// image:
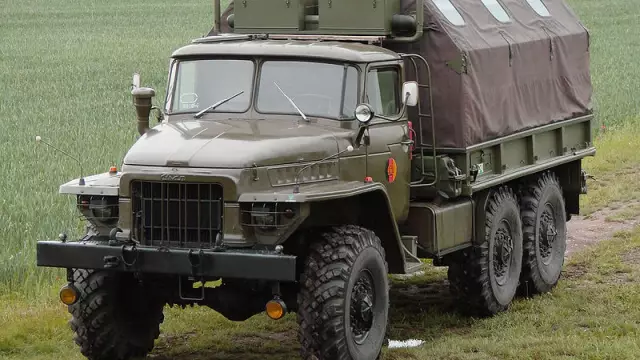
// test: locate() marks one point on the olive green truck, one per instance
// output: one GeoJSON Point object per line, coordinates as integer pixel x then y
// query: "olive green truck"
{"type": "Point", "coordinates": [308, 148]}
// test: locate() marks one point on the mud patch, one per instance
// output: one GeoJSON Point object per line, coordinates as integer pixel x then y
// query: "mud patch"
{"type": "Point", "coordinates": [258, 339]}
{"type": "Point", "coordinates": [167, 341]}
{"type": "Point", "coordinates": [253, 346]}
{"type": "Point", "coordinates": [632, 258]}
{"type": "Point", "coordinates": [574, 271]}
{"type": "Point", "coordinates": [422, 297]}
{"type": "Point", "coordinates": [584, 231]}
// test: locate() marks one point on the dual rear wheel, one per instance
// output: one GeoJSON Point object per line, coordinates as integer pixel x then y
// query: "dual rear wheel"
{"type": "Point", "coordinates": [519, 248]}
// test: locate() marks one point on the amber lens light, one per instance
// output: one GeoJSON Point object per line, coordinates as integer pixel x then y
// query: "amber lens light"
{"type": "Point", "coordinates": [275, 309]}
{"type": "Point", "coordinates": [68, 295]}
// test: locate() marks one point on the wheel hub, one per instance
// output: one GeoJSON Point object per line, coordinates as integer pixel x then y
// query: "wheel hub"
{"type": "Point", "coordinates": [502, 249]}
{"type": "Point", "coordinates": [362, 307]}
{"type": "Point", "coordinates": [547, 235]}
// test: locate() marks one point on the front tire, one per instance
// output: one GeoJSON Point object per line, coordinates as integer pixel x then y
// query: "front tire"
{"type": "Point", "coordinates": [545, 235]}
{"type": "Point", "coordinates": [343, 303]}
{"type": "Point", "coordinates": [485, 278]}
{"type": "Point", "coordinates": [115, 317]}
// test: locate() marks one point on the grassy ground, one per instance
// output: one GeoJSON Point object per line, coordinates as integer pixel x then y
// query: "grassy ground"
{"type": "Point", "coordinates": [593, 314]}
{"type": "Point", "coordinates": [65, 70]}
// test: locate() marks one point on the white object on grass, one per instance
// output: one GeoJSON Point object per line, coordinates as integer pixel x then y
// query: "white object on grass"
{"type": "Point", "coordinates": [394, 344]}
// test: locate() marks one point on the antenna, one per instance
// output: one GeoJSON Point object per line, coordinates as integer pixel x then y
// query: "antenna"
{"type": "Point", "coordinates": [39, 140]}
{"type": "Point", "coordinates": [296, 188]}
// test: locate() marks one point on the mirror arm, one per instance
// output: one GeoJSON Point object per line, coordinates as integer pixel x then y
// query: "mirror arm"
{"type": "Point", "coordinates": [160, 113]}
{"type": "Point", "coordinates": [357, 141]}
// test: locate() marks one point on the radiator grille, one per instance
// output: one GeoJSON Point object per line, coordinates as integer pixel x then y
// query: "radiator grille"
{"type": "Point", "coordinates": [185, 215]}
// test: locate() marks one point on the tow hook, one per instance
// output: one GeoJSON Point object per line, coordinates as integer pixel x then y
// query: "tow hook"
{"type": "Point", "coordinates": [196, 260]}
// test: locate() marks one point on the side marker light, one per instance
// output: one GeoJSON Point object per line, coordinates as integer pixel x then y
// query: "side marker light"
{"type": "Point", "coordinates": [276, 309]}
{"type": "Point", "coordinates": [68, 295]}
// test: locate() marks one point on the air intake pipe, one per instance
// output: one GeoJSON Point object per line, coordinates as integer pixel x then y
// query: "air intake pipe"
{"type": "Point", "coordinates": [142, 101]}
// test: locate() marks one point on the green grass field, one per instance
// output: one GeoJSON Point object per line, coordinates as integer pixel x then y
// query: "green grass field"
{"type": "Point", "coordinates": [65, 72]}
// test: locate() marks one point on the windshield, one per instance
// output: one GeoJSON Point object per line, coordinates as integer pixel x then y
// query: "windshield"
{"type": "Point", "coordinates": [202, 83]}
{"type": "Point", "coordinates": [224, 85]}
{"type": "Point", "coordinates": [317, 89]}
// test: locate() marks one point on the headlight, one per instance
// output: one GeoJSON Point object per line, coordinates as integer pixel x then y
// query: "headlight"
{"type": "Point", "coordinates": [264, 216]}
{"type": "Point", "coordinates": [364, 113]}
{"type": "Point", "coordinates": [101, 209]}
{"type": "Point", "coordinates": [267, 217]}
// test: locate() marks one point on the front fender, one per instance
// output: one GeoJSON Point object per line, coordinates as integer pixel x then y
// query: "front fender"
{"type": "Point", "coordinates": [105, 184]}
{"type": "Point", "coordinates": [369, 201]}
{"type": "Point", "coordinates": [315, 192]}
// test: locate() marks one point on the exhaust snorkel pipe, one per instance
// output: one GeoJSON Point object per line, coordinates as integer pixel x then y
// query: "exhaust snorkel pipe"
{"type": "Point", "coordinates": [142, 101]}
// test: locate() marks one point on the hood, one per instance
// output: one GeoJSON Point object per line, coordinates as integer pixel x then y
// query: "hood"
{"type": "Point", "coordinates": [231, 144]}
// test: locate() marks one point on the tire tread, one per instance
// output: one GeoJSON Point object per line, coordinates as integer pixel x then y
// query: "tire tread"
{"type": "Point", "coordinates": [530, 281]}
{"type": "Point", "coordinates": [469, 278]}
{"type": "Point", "coordinates": [96, 332]}
{"type": "Point", "coordinates": [323, 288]}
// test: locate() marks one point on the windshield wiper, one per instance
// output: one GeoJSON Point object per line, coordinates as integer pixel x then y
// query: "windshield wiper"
{"type": "Point", "coordinates": [199, 114]}
{"type": "Point", "coordinates": [291, 101]}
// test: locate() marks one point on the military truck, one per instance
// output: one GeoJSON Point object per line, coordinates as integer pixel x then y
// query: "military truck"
{"type": "Point", "coordinates": [306, 150]}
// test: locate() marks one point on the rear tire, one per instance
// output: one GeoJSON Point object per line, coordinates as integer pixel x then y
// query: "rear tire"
{"type": "Point", "coordinates": [485, 279]}
{"type": "Point", "coordinates": [544, 223]}
{"type": "Point", "coordinates": [115, 317]}
{"type": "Point", "coordinates": [343, 303]}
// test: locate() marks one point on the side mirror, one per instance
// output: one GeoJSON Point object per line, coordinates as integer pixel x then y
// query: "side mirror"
{"type": "Point", "coordinates": [410, 93]}
{"type": "Point", "coordinates": [142, 101]}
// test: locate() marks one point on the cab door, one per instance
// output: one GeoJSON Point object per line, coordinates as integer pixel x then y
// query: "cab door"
{"type": "Point", "coordinates": [389, 158]}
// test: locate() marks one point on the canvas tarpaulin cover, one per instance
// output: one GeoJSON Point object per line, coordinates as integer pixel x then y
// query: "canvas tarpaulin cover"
{"type": "Point", "coordinates": [503, 77]}
{"type": "Point", "coordinates": [495, 76]}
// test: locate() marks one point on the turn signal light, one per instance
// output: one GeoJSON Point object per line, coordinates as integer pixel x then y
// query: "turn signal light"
{"type": "Point", "coordinates": [68, 295]}
{"type": "Point", "coordinates": [276, 309]}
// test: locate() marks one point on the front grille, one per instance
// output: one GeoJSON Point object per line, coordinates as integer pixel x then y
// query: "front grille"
{"type": "Point", "coordinates": [185, 215]}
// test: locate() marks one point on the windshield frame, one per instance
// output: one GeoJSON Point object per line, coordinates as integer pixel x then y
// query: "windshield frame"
{"type": "Point", "coordinates": [345, 64]}
{"type": "Point", "coordinates": [172, 86]}
{"type": "Point", "coordinates": [258, 61]}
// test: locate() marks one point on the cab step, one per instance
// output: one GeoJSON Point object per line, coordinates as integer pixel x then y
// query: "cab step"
{"type": "Point", "coordinates": [410, 246]}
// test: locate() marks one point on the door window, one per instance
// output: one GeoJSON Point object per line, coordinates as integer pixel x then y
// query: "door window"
{"type": "Point", "coordinates": [383, 92]}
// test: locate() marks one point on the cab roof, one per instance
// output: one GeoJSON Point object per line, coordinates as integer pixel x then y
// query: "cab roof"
{"type": "Point", "coordinates": [246, 46]}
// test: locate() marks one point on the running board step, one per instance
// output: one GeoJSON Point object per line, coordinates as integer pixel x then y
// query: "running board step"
{"type": "Point", "coordinates": [410, 247]}
{"type": "Point", "coordinates": [410, 244]}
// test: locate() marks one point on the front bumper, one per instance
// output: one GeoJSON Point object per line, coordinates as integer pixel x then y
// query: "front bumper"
{"type": "Point", "coordinates": [243, 264]}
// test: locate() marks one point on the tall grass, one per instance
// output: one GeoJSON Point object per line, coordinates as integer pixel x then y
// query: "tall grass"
{"type": "Point", "coordinates": [65, 72]}
{"type": "Point", "coordinates": [615, 48]}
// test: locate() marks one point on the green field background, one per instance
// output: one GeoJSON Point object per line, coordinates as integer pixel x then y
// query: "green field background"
{"type": "Point", "coordinates": [65, 74]}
